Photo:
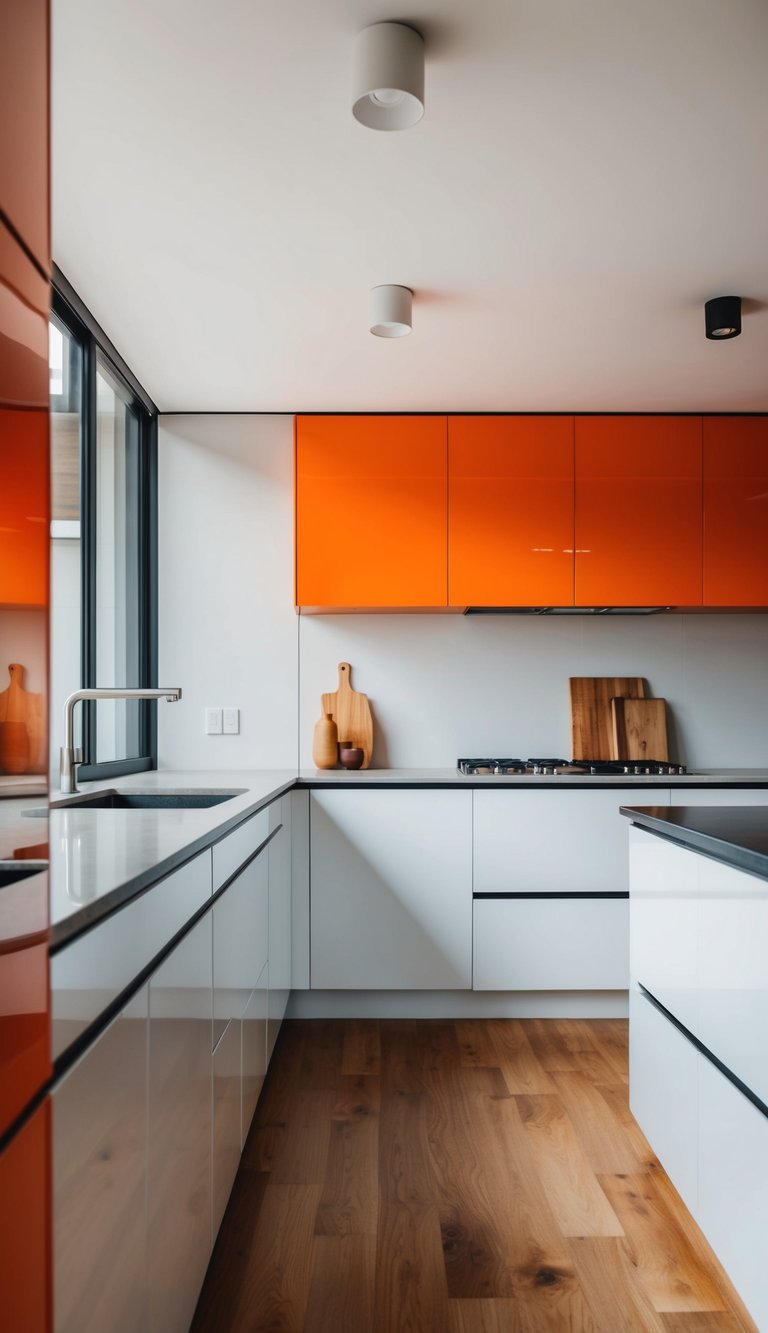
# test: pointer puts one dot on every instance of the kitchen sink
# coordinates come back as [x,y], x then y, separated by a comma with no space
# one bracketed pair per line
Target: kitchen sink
[12,871]
[144,800]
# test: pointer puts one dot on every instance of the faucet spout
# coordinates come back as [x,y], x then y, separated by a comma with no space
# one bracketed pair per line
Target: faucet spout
[69,756]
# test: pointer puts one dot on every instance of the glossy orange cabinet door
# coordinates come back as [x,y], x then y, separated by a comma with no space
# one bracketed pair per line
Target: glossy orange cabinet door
[510,511]
[25,1227]
[736,511]
[371,511]
[24,119]
[638,511]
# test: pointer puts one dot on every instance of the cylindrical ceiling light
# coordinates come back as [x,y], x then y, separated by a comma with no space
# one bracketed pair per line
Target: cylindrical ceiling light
[722,317]
[391,311]
[388,81]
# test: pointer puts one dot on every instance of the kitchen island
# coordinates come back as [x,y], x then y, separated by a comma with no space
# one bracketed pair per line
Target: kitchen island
[699,1019]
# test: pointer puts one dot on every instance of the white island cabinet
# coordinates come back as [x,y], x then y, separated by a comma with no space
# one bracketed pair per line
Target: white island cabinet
[391,889]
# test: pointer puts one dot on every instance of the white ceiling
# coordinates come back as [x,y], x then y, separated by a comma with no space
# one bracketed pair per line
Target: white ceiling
[586,175]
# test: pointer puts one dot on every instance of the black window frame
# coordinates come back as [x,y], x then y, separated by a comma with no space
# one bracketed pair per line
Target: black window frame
[95,346]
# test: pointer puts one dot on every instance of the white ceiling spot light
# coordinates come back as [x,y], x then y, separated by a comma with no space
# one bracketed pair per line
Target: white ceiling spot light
[388,82]
[391,311]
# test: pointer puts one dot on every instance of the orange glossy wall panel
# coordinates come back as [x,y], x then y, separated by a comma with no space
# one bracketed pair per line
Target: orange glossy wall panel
[25,1228]
[371,511]
[24,116]
[736,511]
[638,511]
[510,512]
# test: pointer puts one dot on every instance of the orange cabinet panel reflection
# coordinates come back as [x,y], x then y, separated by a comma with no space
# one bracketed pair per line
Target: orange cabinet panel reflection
[24,124]
[25,1297]
[371,511]
[638,511]
[510,525]
[735,511]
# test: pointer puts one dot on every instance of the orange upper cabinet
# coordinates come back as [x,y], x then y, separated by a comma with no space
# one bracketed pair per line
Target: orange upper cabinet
[24,124]
[510,511]
[638,511]
[736,511]
[371,512]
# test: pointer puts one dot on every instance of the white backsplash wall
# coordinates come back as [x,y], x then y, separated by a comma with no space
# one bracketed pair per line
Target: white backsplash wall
[227,628]
[444,686]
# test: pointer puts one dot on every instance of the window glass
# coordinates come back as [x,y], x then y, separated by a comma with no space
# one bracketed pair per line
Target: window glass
[66,378]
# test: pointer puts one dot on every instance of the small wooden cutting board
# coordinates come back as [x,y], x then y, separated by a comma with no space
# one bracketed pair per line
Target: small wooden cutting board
[22,726]
[352,714]
[640,728]
[591,720]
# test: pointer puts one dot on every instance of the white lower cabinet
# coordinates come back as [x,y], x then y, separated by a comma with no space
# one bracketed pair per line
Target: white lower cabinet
[391,889]
[279,919]
[254,1050]
[551,944]
[240,941]
[99,1128]
[664,1092]
[179,1130]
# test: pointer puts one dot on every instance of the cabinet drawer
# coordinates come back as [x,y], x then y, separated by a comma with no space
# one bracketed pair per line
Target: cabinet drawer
[242,842]
[240,941]
[664,922]
[664,1092]
[254,1050]
[91,972]
[550,944]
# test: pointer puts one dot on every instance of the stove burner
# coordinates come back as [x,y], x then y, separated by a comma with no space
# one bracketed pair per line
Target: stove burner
[608,768]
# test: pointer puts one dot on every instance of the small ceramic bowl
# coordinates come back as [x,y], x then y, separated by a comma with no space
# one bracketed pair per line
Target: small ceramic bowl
[350,756]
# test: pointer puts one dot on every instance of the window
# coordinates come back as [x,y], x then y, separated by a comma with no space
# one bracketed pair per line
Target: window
[103,535]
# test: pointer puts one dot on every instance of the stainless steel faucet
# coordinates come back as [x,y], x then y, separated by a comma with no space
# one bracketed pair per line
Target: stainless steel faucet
[69,756]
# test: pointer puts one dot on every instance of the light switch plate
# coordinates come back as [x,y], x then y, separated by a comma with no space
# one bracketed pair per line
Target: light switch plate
[231,721]
[213,722]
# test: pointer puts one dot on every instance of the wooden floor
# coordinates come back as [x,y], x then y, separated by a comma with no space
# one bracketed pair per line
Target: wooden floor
[456,1177]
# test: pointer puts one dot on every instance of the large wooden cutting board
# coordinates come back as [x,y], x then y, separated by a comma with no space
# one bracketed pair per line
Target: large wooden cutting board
[591,718]
[640,728]
[22,726]
[352,714]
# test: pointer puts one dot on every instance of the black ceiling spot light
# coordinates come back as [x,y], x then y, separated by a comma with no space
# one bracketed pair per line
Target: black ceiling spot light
[722,316]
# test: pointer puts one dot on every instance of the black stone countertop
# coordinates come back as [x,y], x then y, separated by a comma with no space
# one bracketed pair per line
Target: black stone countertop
[735,835]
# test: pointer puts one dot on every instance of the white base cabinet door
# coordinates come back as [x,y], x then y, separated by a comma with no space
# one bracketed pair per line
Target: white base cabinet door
[254,1039]
[279,919]
[240,941]
[179,1148]
[551,944]
[99,1129]
[227,1082]
[664,1092]
[391,889]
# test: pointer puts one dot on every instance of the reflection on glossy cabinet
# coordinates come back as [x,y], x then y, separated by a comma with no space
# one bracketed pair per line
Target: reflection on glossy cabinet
[638,511]
[99,1140]
[371,511]
[25,1217]
[254,1050]
[179,1128]
[510,510]
[24,127]
[736,511]
[226,1118]
[391,885]
[279,919]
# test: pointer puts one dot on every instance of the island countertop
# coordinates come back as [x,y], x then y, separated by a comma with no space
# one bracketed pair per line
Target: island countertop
[735,835]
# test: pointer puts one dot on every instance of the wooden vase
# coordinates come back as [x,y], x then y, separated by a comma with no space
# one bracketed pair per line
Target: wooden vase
[325,743]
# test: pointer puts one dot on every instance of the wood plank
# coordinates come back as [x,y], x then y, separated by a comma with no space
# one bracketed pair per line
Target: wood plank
[672,1274]
[717,1321]
[342,1288]
[577,1038]
[606,1146]
[233,1262]
[607,1277]
[521,1070]
[350,1199]
[475,1044]
[611,1038]
[616,1098]
[303,1157]
[356,1095]
[568,1182]
[321,1063]
[488,1316]
[549,1047]
[268,1128]
[361,1052]
[401,1062]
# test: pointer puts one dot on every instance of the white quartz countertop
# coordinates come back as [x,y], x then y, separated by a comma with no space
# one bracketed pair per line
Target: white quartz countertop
[101,858]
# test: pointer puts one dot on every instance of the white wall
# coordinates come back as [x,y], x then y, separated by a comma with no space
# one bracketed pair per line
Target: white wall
[440,686]
[228,631]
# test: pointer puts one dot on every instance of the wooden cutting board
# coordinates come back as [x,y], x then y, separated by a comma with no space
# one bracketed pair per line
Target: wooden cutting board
[351,713]
[640,728]
[22,727]
[591,718]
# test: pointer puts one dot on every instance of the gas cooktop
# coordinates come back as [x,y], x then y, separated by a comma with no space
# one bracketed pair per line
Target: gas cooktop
[607,768]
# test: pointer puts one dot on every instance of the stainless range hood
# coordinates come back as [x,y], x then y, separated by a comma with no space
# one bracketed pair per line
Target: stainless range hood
[566,610]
